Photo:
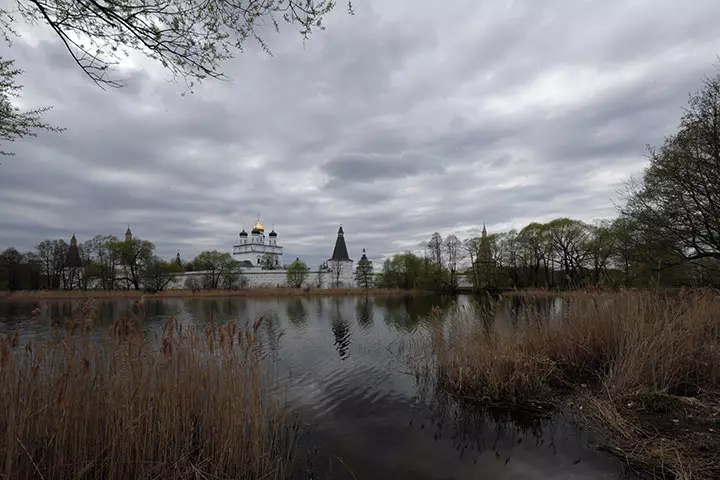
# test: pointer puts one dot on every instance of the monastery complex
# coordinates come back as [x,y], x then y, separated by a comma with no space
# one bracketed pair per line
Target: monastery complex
[261,262]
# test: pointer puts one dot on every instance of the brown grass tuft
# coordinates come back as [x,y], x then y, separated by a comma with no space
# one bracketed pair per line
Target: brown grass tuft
[608,352]
[126,407]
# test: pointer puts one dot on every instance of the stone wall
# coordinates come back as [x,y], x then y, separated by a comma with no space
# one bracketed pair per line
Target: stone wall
[273,279]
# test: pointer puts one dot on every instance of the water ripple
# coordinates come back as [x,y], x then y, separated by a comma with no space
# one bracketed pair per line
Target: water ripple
[334,364]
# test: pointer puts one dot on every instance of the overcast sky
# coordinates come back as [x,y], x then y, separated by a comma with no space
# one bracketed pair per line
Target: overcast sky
[408,118]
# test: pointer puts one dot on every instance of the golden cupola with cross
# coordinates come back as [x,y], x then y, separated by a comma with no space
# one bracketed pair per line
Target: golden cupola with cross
[255,250]
[258,228]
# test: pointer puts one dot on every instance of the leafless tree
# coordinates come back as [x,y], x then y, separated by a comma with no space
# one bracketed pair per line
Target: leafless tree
[453,251]
[190,38]
[435,248]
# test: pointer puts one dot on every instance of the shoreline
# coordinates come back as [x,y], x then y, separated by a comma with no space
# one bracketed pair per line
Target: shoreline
[639,370]
[188,294]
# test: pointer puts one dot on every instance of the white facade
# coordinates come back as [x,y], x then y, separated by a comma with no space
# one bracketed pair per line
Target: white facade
[251,249]
[341,273]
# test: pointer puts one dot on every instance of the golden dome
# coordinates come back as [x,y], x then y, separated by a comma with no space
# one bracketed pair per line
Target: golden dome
[259,227]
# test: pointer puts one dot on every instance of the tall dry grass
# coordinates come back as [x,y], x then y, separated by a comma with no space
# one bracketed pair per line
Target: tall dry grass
[622,343]
[195,404]
[641,369]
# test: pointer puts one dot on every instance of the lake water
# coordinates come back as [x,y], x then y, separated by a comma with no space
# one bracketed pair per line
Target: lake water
[363,416]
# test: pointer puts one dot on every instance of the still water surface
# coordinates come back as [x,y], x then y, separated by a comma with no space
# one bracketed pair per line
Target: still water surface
[363,416]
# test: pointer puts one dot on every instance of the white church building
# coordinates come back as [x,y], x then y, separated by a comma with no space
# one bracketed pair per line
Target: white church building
[261,263]
[251,250]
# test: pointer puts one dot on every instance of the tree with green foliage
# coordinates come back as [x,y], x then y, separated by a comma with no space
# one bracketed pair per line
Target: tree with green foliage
[407,271]
[365,273]
[158,274]
[678,199]
[221,270]
[402,271]
[100,261]
[431,276]
[296,274]
[600,245]
[534,251]
[131,257]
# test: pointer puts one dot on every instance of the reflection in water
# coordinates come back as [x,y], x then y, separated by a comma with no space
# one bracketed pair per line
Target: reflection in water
[498,435]
[297,313]
[408,312]
[364,312]
[271,332]
[340,329]
[362,416]
[219,310]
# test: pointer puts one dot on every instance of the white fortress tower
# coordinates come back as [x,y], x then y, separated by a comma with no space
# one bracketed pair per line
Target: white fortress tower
[251,250]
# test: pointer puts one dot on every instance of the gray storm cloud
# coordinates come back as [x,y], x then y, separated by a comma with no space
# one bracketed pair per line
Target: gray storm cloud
[396,122]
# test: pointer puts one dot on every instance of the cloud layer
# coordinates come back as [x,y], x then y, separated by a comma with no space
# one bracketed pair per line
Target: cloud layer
[396,122]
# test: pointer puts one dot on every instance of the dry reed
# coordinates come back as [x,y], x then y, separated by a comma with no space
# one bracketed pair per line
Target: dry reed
[603,352]
[192,404]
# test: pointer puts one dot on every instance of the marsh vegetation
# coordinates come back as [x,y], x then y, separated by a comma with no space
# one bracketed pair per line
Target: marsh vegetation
[641,369]
[116,404]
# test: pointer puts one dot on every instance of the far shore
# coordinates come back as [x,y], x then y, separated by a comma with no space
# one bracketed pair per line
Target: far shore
[186,293]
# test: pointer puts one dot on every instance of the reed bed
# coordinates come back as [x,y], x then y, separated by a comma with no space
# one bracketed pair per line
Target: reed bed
[641,367]
[191,404]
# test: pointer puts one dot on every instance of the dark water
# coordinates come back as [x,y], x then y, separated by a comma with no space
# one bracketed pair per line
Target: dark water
[363,415]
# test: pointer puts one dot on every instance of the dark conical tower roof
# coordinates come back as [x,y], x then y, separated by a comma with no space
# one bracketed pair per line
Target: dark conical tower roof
[340,253]
[72,259]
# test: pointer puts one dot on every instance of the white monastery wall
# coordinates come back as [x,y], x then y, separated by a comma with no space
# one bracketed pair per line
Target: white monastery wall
[270,279]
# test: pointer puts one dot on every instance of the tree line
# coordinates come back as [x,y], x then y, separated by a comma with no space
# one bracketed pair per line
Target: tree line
[667,232]
[105,262]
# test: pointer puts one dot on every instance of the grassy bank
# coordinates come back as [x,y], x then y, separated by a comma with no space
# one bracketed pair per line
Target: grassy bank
[642,369]
[192,405]
[184,293]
